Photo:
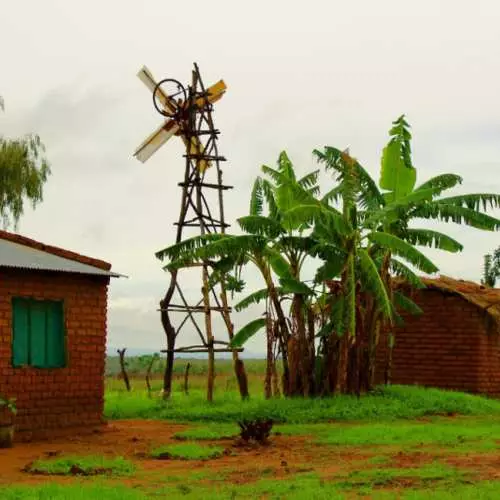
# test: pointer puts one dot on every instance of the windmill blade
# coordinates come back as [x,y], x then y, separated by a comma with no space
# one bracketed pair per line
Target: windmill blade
[156,140]
[215,92]
[146,77]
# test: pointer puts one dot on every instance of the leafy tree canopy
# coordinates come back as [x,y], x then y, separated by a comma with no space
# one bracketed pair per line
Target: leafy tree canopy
[23,172]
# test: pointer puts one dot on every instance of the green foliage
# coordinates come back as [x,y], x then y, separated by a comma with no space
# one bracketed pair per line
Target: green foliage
[406,304]
[247,332]
[187,451]
[429,238]
[8,403]
[397,175]
[23,173]
[491,268]
[117,466]
[292,285]
[387,403]
[253,298]
[373,282]
[74,491]
[403,249]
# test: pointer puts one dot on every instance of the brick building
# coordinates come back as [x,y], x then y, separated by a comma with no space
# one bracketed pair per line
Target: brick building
[53,306]
[455,344]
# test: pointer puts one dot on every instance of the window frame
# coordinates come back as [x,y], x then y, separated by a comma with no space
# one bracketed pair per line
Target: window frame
[29,300]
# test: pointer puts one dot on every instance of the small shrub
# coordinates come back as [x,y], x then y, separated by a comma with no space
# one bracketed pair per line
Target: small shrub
[257,430]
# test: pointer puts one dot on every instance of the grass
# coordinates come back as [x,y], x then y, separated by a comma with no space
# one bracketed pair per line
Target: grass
[187,451]
[210,432]
[117,466]
[301,487]
[385,476]
[458,434]
[387,403]
[75,491]
[454,433]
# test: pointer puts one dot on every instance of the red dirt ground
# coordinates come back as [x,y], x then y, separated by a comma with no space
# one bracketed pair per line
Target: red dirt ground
[283,457]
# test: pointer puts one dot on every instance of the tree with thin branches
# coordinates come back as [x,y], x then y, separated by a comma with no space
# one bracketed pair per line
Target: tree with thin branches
[24,170]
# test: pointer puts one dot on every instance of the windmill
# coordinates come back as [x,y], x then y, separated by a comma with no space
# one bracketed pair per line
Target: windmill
[188,115]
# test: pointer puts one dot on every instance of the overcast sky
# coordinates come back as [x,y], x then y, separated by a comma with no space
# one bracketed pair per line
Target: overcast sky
[300,75]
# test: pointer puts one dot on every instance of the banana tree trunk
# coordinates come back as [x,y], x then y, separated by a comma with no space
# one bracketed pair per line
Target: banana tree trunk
[283,327]
[269,358]
[302,352]
[238,365]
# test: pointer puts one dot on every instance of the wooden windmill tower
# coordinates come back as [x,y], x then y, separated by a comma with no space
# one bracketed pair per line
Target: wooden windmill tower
[188,114]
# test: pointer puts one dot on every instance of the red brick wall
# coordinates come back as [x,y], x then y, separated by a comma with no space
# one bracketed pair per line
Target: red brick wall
[58,397]
[450,346]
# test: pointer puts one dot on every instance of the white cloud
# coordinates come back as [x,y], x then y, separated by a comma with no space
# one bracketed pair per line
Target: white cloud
[298,78]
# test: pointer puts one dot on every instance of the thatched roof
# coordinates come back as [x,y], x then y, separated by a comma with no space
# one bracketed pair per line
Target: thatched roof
[483,297]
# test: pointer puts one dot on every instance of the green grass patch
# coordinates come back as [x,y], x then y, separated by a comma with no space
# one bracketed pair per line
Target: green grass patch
[89,465]
[456,433]
[299,487]
[209,432]
[483,490]
[394,402]
[74,491]
[384,476]
[187,451]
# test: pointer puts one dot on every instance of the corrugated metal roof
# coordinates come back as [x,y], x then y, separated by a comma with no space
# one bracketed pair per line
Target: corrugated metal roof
[21,256]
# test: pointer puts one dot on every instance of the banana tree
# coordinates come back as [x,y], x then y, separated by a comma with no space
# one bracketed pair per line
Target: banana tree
[278,248]
[388,213]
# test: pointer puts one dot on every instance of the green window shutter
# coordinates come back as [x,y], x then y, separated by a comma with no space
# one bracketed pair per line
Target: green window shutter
[20,332]
[56,355]
[38,328]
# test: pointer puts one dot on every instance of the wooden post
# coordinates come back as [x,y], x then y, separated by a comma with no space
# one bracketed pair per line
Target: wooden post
[186,378]
[121,353]
[154,357]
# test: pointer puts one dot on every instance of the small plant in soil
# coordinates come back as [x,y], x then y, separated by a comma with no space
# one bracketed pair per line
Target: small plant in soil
[8,412]
[257,431]
[187,451]
[81,466]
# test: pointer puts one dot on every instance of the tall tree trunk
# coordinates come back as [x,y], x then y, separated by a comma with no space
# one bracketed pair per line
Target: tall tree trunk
[121,353]
[281,320]
[388,370]
[276,385]
[167,374]
[342,364]
[148,374]
[269,359]
[311,351]
[171,335]
[238,365]
[186,379]
[372,356]
[241,376]
[210,338]
[302,351]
